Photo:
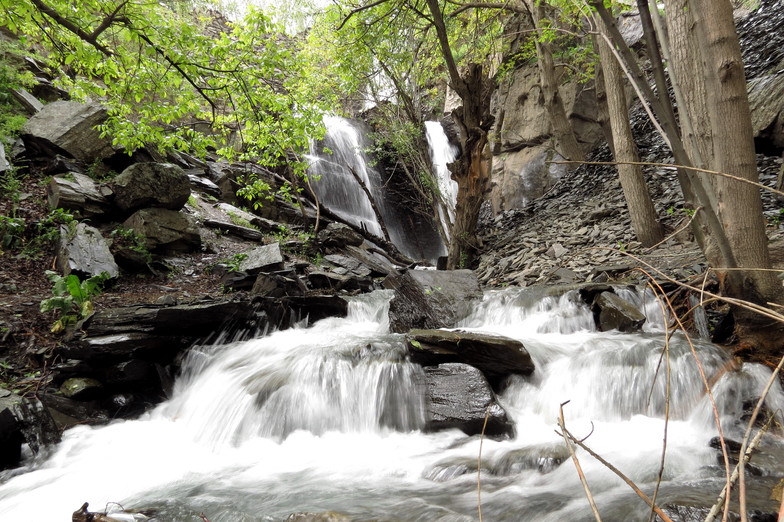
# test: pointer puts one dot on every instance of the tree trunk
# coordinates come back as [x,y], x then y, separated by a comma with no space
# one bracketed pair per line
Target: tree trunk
[471,170]
[563,133]
[740,205]
[635,191]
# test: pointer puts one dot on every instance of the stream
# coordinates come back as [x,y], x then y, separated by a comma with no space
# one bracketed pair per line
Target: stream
[330,418]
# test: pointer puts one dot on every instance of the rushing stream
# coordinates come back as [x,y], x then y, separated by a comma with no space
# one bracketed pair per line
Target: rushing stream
[328,418]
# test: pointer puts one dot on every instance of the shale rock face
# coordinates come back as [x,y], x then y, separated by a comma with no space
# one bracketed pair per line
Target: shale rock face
[165,230]
[23,421]
[615,313]
[143,185]
[430,298]
[66,127]
[496,356]
[458,396]
[77,192]
[83,250]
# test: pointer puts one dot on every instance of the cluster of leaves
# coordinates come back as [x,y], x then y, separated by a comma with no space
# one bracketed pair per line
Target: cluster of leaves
[128,238]
[72,298]
[32,240]
[12,76]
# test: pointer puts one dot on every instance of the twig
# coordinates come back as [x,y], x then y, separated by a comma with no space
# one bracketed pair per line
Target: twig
[755,413]
[562,425]
[569,437]
[736,473]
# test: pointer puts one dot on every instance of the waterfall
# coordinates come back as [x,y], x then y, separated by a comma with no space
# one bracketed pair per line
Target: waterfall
[329,418]
[331,164]
[443,153]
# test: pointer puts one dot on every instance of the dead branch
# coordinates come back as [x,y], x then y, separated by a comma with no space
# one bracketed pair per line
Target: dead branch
[569,437]
[372,200]
[591,501]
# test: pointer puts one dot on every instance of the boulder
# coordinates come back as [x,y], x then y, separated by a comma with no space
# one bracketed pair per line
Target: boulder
[430,298]
[766,100]
[339,235]
[459,396]
[160,185]
[67,127]
[77,192]
[277,285]
[497,357]
[615,313]
[83,250]
[23,421]
[166,231]
[264,258]
[345,265]
[80,388]
[524,175]
[286,311]
[324,280]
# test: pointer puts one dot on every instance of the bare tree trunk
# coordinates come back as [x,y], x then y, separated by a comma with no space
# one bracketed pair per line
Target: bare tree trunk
[471,170]
[740,205]
[635,191]
[566,141]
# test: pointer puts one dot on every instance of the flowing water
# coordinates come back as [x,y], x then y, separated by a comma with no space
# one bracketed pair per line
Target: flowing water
[442,153]
[329,417]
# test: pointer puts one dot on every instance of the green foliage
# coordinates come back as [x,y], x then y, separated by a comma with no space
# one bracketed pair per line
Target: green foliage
[124,237]
[233,263]
[11,232]
[12,76]
[46,232]
[72,298]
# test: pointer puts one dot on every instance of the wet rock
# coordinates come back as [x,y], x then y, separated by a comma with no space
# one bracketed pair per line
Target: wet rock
[339,235]
[277,285]
[81,388]
[84,251]
[452,468]
[459,396]
[68,413]
[77,192]
[347,265]
[166,231]
[496,356]
[615,313]
[22,421]
[66,127]
[543,459]
[379,265]
[264,258]
[430,299]
[287,311]
[160,185]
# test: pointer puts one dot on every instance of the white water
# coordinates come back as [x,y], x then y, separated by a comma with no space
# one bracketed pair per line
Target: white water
[328,418]
[442,153]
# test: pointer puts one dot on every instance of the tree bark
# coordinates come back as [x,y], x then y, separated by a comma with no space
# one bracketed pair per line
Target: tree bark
[740,205]
[635,191]
[471,170]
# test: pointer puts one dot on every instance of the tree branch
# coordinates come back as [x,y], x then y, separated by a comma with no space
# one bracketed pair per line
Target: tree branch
[359,10]
[70,26]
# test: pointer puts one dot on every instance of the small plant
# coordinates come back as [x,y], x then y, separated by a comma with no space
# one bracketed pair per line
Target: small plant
[233,263]
[193,202]
[47,232]
[11,232]
[130,239]
[240,221]
[72,298]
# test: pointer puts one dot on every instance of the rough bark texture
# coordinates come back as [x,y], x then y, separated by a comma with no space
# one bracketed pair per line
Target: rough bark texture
[740,206]
[471,170]
[638,199]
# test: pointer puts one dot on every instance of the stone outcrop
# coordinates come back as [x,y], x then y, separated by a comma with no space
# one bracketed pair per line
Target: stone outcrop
[612,312]
[78,193]
[142,185]
[66,127]
[459,396]
[263,258]
[83,250]
[23,421]
[430,298]
[497,357]
[165,231]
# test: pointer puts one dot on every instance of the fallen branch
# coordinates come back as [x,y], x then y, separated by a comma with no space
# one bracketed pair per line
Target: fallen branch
[567,436]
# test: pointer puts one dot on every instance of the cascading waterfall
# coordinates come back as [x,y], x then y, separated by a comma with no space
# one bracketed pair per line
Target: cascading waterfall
[329,418]
[442,153]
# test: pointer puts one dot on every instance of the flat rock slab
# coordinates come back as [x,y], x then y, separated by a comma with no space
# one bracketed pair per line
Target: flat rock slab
[77,192]
[165,230]
[615,313]
[22,421]
[67,127]
[266,257]
[496,356]
[144,185]
[459,396]
[84,250]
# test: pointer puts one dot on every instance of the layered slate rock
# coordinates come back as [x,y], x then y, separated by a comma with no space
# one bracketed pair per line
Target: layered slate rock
[84,251]
[339,235]
[23,421]
[459,396]
[430,298]
[66,127]
[160,185]
[263,258]
[77,192]
[497,357]
[165,230]
[612,312]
